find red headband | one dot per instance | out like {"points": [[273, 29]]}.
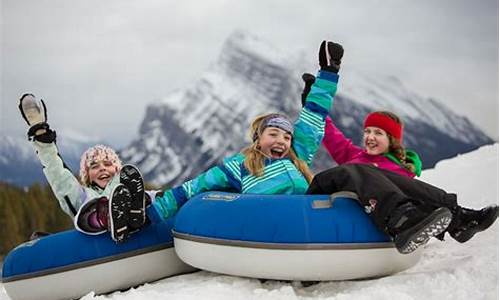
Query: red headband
{"points": [[386, 123]]}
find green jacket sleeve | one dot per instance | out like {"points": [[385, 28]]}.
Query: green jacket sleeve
{"points": [[414, 158]]}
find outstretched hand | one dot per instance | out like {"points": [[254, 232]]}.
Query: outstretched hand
{"points": [[34, 112], [330, 56], [309, 79]]}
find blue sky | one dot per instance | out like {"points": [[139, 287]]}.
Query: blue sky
{"points": [[99, 63]]}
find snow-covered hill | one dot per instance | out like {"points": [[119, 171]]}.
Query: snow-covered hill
{"points": [[447, 270], [193, 128]]}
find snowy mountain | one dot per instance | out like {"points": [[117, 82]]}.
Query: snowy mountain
{"points": [[192, 129], [20, 166], [447, 270]]}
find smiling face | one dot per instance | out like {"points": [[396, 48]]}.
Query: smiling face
{"points": [[101, 172], [275, 142], [375, 140]]}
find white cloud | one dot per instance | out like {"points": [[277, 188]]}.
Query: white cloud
{"points": [[93, 59]]}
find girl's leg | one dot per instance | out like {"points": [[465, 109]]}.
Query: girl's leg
{"points": [[100, 215], [392, 210], [466, 222], [377, 194], [428, 195]]}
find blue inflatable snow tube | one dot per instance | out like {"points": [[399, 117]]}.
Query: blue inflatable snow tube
{"points": [[285, 237], [287, 219], [72, 249]]}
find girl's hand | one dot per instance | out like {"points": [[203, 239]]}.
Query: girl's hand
{"points": [[309, 79], [34, 112], [330, 55]]}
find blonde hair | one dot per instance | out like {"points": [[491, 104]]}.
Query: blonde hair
{"points": [[95, 154], [254, 158], [395, 146]]}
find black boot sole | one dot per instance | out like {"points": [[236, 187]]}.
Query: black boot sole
{"points": [[119, 206], [132, 179], [466, 235], [418, 235]]}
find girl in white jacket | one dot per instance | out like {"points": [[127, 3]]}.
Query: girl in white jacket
{"points": [[108, 197]]}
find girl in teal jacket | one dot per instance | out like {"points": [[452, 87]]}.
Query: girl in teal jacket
{"points": [[277, 161]]}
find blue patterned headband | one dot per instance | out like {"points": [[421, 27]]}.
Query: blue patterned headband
{"points": [[277, 121]]}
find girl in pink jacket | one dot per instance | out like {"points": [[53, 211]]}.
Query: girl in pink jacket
{"points": [[396, 159], [382, 174]]}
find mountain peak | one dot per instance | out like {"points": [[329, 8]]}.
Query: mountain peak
{"points": [[245, 43], [194, 128], [244, 53]]}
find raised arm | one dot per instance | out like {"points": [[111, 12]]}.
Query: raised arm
{"points": [[340, 148], [310, 126], [64, 184]]}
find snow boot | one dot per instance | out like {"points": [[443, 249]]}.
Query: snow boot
{"points": [[118, 211], [92, 216], [470, 221], [412, 228], [132, 179]]}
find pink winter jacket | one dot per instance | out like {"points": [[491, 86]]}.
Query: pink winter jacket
{"points": [[343, 151]]}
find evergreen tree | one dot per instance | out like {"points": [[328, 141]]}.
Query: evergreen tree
{"points": [[23, 211]]}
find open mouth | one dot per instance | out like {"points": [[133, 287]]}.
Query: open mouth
{"points": [[277, 153], [371, 145], [104, 177]]}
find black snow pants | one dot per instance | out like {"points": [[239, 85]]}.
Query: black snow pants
{"points": [[381, 191]]}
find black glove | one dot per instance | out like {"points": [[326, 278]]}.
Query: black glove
{"points": [[34, 112], [330, 56], [41, 132], [309, 79]]}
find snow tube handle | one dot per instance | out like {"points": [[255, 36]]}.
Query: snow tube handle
{"points": [[322, 204]]}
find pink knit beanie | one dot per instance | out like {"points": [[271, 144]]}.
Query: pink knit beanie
{"points": [[95, 154]]}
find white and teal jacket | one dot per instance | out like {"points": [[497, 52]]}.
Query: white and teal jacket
{"points": [[75, 199], [66, 187], [280, 176]]}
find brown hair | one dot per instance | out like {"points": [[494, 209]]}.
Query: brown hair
{"points": [[395, 146], [254, 158]]}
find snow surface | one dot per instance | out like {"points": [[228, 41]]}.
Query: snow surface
{"points": [[447, 270]]}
